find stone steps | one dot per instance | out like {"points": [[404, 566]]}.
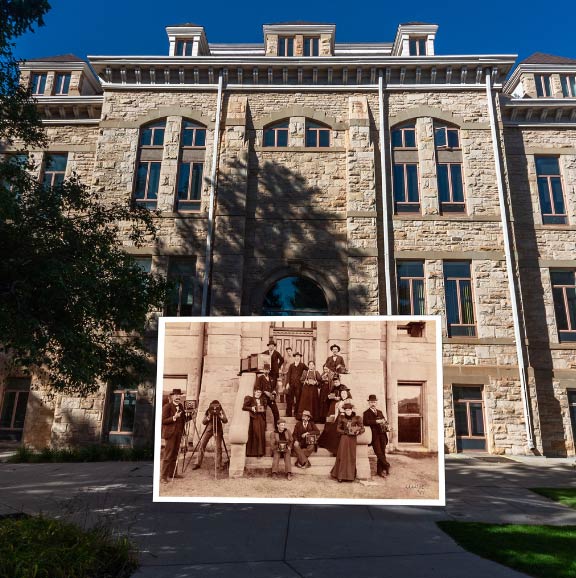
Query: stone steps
{"points": [[321, 466]]}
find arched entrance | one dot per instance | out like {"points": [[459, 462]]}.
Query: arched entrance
{"points": [[295, 295]]}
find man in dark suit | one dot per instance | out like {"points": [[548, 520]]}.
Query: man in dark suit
{"points": [[302, 448], [276, 361], [294, 384], [266, 385], [375, 419], [174, 420], [335, 362]]}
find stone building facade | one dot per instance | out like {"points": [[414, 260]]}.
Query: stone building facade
{"points": [[375, 178]]}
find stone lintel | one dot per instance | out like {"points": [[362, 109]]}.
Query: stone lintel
{"points": [[462, 218], [552, 263], [479, 375], [477, 341], [362, 214], [442, 255], [259, 148]]}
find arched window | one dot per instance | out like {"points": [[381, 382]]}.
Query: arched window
{"points": [[150, 152], [317, 135], [191, 169], [405, 169], [295, 296], [276, 135], [449, 168]]}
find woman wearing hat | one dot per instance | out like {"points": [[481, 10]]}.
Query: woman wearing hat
{"points": [[335, 362], [256, 405], [309, 396], [349, 427], [329, 438]]}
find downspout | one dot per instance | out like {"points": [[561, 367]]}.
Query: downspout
{"points": [[211, 207], [509, 267], [384, 187]]}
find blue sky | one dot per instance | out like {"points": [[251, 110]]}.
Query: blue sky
{"points": [[137, 27]]}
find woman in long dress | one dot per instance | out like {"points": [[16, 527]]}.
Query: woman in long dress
{"points": [[309, 398], [349, 426], [256, 405], [329, 438]]}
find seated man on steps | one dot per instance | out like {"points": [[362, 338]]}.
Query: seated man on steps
{"points": [[281, 444], [302, 438]]}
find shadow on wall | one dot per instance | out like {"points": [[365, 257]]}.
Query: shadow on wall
{"points": [[534, 302]]}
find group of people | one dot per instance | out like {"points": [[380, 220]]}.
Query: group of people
{"points": [[313, 398]]}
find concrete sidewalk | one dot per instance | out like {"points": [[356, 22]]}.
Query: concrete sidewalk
{"points": [[225, 540]]}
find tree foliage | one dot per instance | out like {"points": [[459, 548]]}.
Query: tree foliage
{"points": [[73, 304]]}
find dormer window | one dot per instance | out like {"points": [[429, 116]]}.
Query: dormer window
{"points": [[317, 135], [568, 86], [543, 87], [38, 84], [276, 135], [286, 46], [184, 47], [62, 83], [446, 137], [417, 46], [311, 46]]}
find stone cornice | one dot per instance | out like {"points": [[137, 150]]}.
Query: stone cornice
{"points": [[549, 112]]}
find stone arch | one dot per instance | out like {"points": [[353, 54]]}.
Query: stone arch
{"points": [[299, 111], [323, 280], [166, 111], [424, 111]]}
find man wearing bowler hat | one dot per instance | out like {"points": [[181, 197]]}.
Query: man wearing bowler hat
{"points": [[375, 419], [294, 384], [174, 419], [335, 362], [302, 448], [276, 361], [265, 384]]}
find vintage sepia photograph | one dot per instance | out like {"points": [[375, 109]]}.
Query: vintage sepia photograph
{"points": [[300, 410]]}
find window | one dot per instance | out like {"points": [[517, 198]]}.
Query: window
{"points": [[11, 171], [550, 191], [295, 296], [406, 195], [122, 414], [181, 271], [410, 276], [450, 188], [410, 413], [404, 137], [317, 135], [189, 186], [572, 407], [62, 83], [543, 85], [446, 137], [54, 169], [150, 162], [311, 46], [568, 86], [459, 299], [564, 295], [13, 408], [145, 263], [286, 46], [469, 418], [190, 171], [276, 135], [417, 46], [38, 84], [184, 47]]}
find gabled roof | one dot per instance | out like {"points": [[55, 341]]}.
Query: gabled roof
{"points": [[58, 58], [541, 58]]}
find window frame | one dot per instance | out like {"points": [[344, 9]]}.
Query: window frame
{"points": [[447, 130], [56, 177], [62, 83], [570, 332], [317, 129], [543, 85], [122, 392], [150, 155], [421, 385], [553, 218], [182, 45], [466, 402], [459, 301], [417, 46], [18, 389], [189, 187], [402, 130], [411, 280], [406, 206], [311, 46], [38, 83], [568, 82], [275, 129], [196, 130], [285, 46], [178, 303], [451, 206]]}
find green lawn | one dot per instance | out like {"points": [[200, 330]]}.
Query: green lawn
{"points": [[566, 496], [540, 551]]}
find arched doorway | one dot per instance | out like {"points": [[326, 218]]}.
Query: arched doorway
{"points": [[295, 295]]}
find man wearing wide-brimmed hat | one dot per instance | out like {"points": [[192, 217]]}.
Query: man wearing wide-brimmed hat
{"points": [[294, 383], [276, 361], [267, 386], [375, 419], [335, 362], [174, 420], [302, 448]]}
